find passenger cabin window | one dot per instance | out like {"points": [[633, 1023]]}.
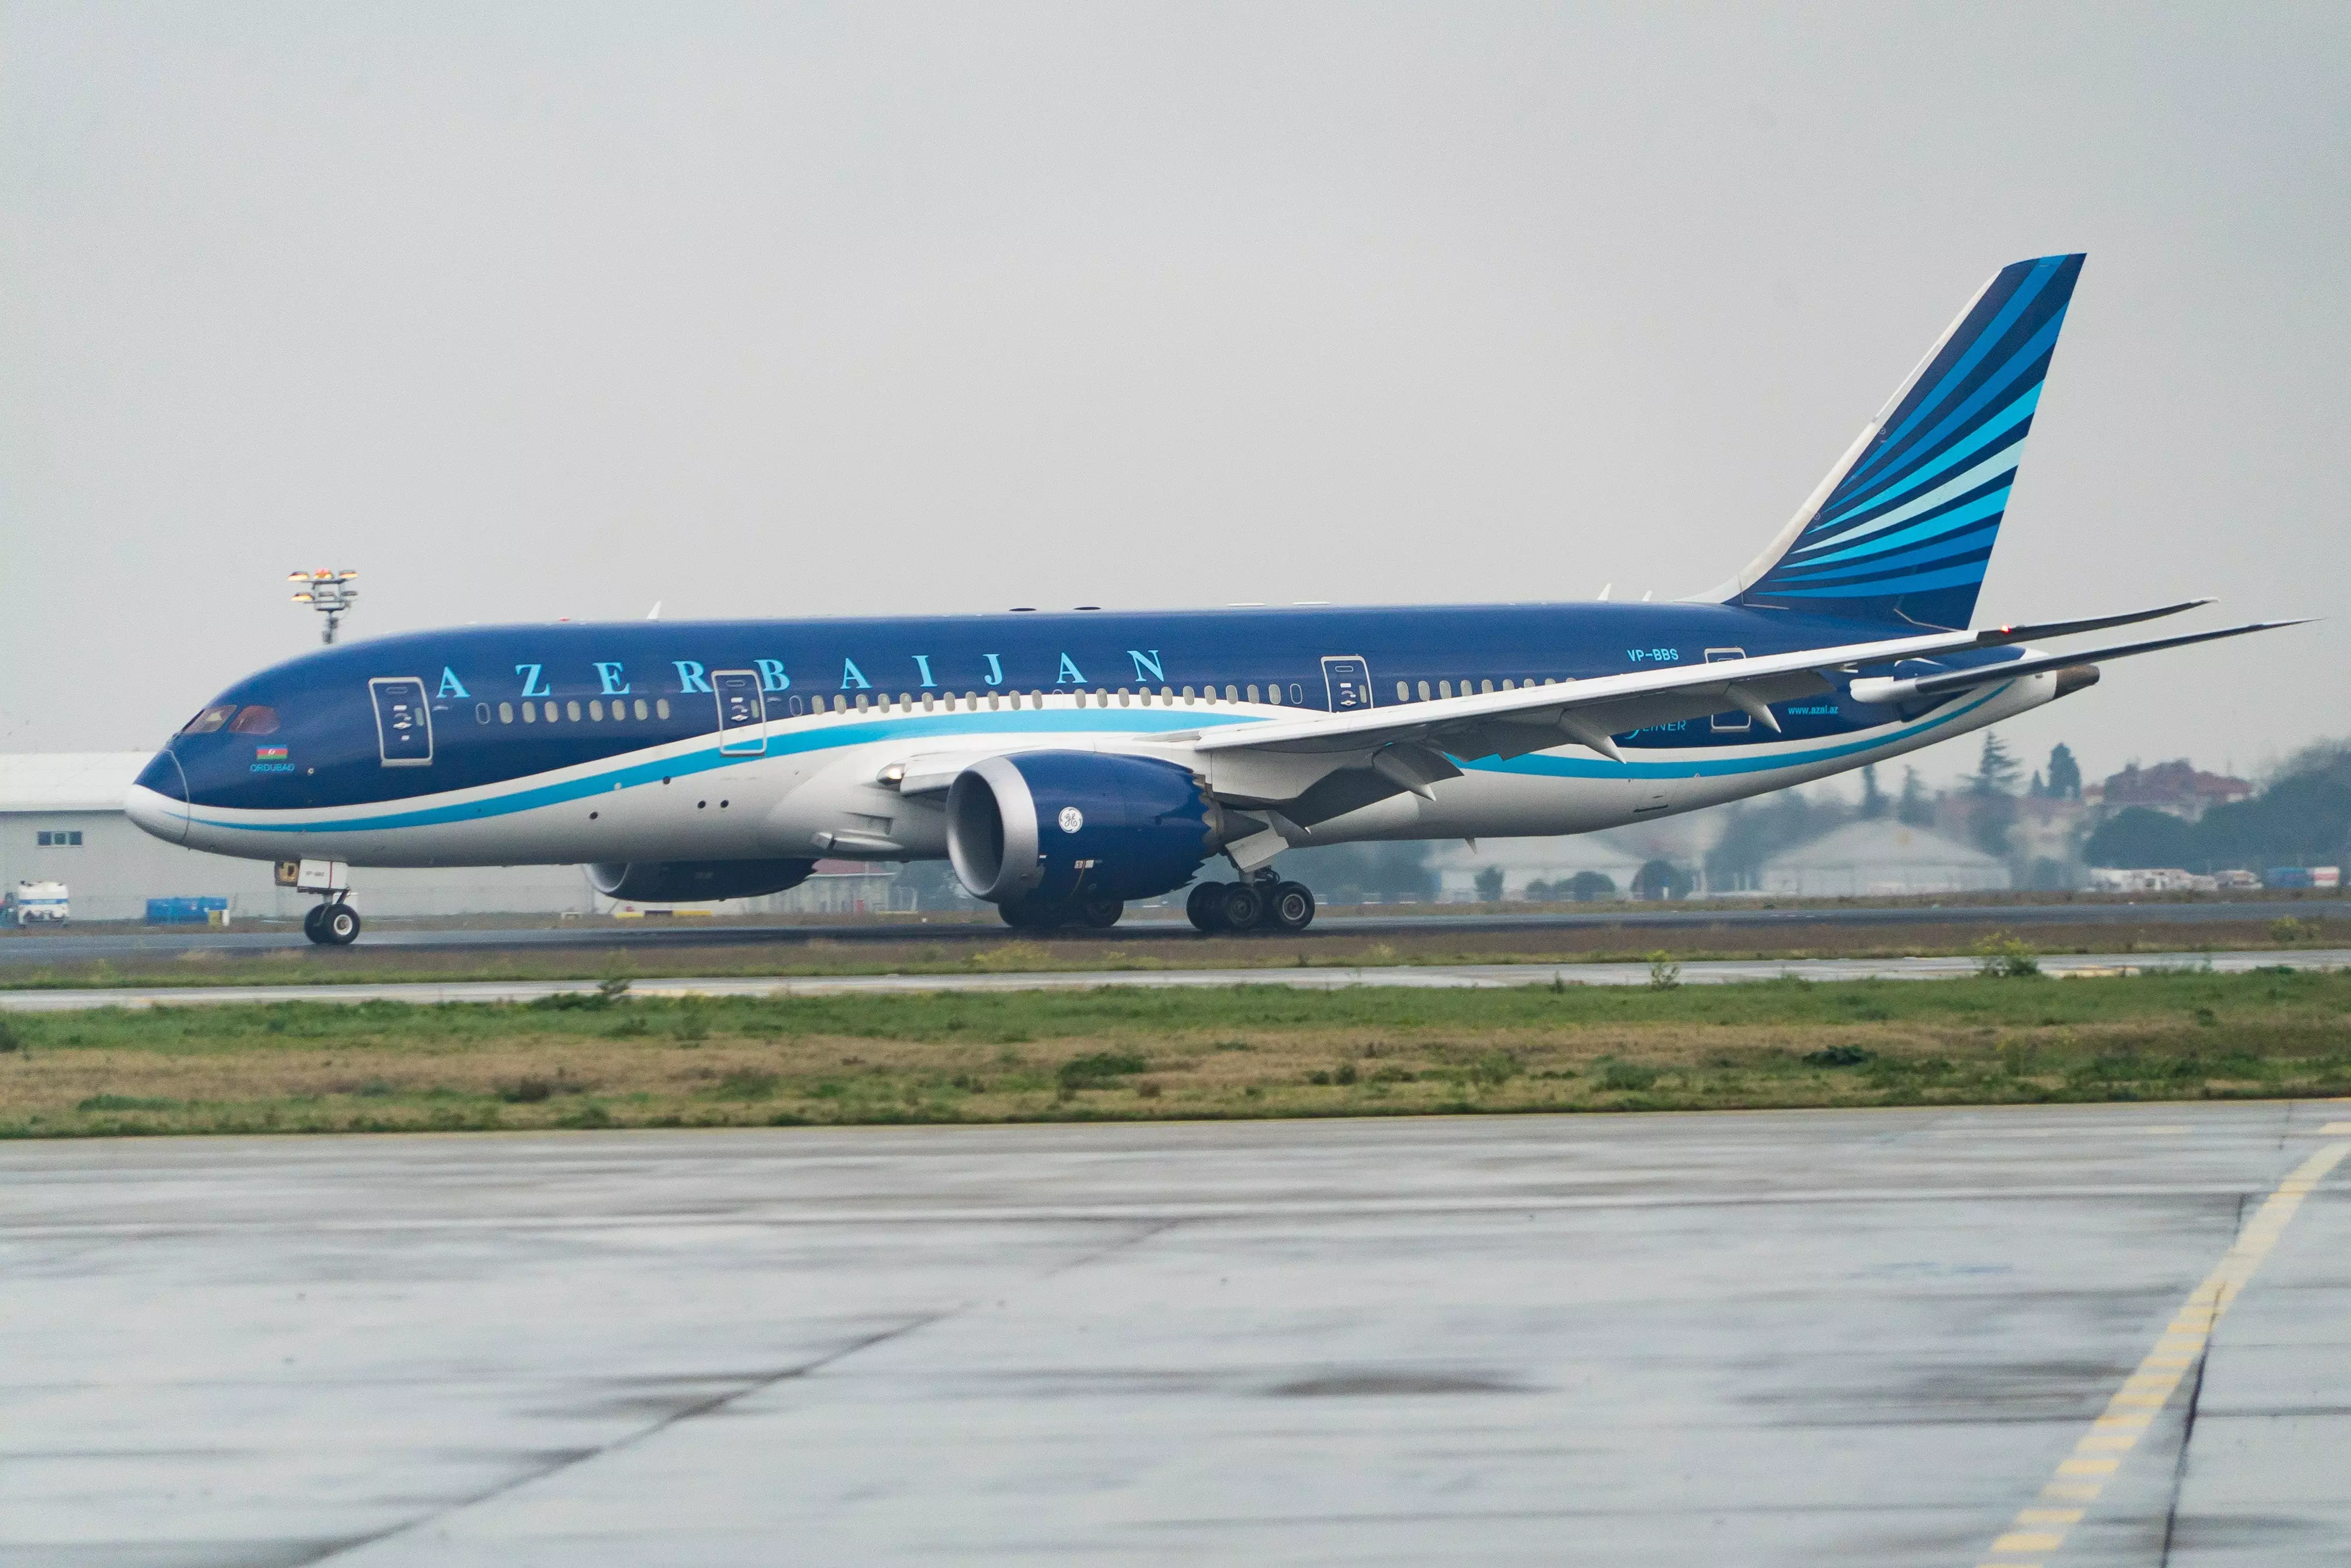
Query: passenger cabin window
{"points": [[255, 720], [59, 837], [209, 720]]}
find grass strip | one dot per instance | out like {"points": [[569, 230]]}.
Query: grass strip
{"points": [[607, 1061]]}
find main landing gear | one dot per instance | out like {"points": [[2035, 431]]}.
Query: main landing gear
{"points": [[1042, 915], [332, 924], [1263, 902]]}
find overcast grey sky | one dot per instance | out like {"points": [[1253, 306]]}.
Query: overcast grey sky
{"points": [[529, 311]]}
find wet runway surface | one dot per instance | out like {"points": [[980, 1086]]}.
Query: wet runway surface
{"points": [[75, 947], [1785, 1338], [1415, 977]]}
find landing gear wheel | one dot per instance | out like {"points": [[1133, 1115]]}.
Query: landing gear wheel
{"points": [[1292, 907], [1242, 905], [339, 924], [311, 919], [1205, 908], [1101, 913]]}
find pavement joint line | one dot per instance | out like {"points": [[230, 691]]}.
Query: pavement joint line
{"points": [[2038, 1530], [1201, 1213]]}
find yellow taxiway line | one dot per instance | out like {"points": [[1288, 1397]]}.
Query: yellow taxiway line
{"points": [[2098, 1454]]}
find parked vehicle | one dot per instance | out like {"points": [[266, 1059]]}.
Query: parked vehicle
{"points": [[37, 904]]}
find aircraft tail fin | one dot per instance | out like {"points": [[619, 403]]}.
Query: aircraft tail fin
{"points": [[1903, 526]]}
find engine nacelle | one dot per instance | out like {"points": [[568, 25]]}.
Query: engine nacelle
{"points": [[697, 882], [1060, 825]]}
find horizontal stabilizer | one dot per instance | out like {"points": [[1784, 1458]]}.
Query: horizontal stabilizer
{"points": [[2001, 636], [1884, 692]]}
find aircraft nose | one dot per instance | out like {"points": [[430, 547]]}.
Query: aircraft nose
{"points": [[158, 802]]}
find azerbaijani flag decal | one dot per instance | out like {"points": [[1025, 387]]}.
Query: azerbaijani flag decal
{"points": [[269, 753]]}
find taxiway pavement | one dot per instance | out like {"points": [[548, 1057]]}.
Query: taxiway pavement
{"points": [[1785, 1338], [72, 946], [1439, 977]]}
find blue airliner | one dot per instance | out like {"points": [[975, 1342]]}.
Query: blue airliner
{"points": [[1068, 763]]}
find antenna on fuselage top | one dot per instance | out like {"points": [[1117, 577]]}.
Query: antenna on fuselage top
{"points": [[1604, 591], [328, 592], [655, 613]]}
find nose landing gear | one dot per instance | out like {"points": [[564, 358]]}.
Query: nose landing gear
{"points": [[333, 923], [1264, 902]]}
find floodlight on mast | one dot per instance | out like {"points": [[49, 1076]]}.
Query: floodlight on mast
{"points": [[328, 592]]}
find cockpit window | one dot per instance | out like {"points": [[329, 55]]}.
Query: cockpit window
{"points": [[211, 719], [255, 720]]}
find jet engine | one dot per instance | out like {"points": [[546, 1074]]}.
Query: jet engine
{"points": [[694, 882], [1060, 827]]}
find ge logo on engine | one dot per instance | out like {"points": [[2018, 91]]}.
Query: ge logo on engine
{"points": [[1072, 819]]}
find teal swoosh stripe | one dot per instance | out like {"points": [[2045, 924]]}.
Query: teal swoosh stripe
{"points": [[1124, 721], [1940, 524], [1951, 577], [995, 723], [1935, 550], [1950, 461], [1991, 334]]}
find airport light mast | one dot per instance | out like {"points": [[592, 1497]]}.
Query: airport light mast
{"points": [[329, 593]]}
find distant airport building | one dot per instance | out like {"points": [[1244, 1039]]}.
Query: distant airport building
{"points": [[61, 820], [2176, 788], [1882, 857]]}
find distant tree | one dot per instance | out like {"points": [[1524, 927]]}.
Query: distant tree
{"points": [[1996, 769], [2037, 789], [1585, 886], [1377, 872], [1489, 884], [1992, 812], [1914, 807], [1541, 891], [2048, 875], [1755, 831], [2302, 819], [2064, 773], [929, 885], [1662, 879], [1873, 803], [2135, 836]]}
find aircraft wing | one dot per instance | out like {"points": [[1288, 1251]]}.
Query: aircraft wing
{"points": [[1409, 746]]}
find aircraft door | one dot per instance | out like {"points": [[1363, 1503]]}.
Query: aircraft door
{"points": [[1348, 682], [403, 721], [742, 712]]}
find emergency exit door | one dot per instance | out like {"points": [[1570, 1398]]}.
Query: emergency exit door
{"points": [[403, 721], [1348, 682], [742, 712]]}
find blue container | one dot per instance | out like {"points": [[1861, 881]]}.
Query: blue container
{"points": [[2286, 876], [182, 910]]}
